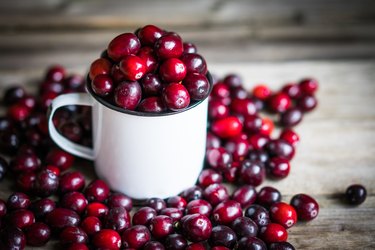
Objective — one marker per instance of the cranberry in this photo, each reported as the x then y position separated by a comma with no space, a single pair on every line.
280,148
55,73
208,177
268,196
54,170
9,142
355,194
258,141
116,74
307,103
135,237
308,86
18,200
74,82
12,238
174,213
176,96
72,131
42,207
46,183
107,239
196,246
118,219
149,58
73,234
175,241
231,174
133,67
120,200
306,207
46,99
196,227
227,127
281,246
217,110
238,147
100,66
151,85
177,202
161,226
199,207
3,208
172,70
25,162
226,212
91,225
195,63
216,193
156,203
97,190
123,45
245,195
192,193
18,112
212,141
273,232
251,243
128,95
96,209
149,34
244,226
152,104
60,218
13,94
243,106
71,181
21,218
261,92
218,158
143,216
258,156
283,214
25,182
279,102
233,80
153,245
169,46
60,159
220,90
51,86
267,126
37,234
78,246
291,117
278,167
197,85
252,172
290,136
292,90
258,214
102,85
75,201
223,236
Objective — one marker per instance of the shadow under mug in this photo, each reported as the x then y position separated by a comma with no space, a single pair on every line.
142,155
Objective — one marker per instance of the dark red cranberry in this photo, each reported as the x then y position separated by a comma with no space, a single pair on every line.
308,86
306,207
258,156
169,46
73,234
216,193
307,103
258,214
290,136
143,216
190,48
253,123
239,93
135,237
151,85
71,181
176,96
252,172
42,207
153,245
118,219
283,214
172,70
192,193
195,63
217,110
149,58
231,174
223,236
273,232
355,194
116,74
13,94
153,104
218,158
196,246
120,200
100,66
9,142
128,95
196,227
268,196
281,246
291,117
226,212
174,213
18,200
25,182
199,207
74,82
60,218
245,195
25,163
156,203
212,141
197,85
133,67
107,239
46,183
18,112
78,246
280,148
220,90
208,177
161,226
175,242
278,167
177,202
60,159
123,45
102,85
227,127
251,243
3,208
55,73
258,141
21,218
72,131
238,147
51,86
292,90
149,34
96,209
75,201
97,190
12,238
91,225
279,102
243,107
233,80
244,226
261,92
37,234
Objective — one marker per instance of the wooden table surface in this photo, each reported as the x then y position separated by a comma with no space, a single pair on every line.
265,43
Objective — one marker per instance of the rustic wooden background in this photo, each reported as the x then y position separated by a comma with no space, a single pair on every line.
265,41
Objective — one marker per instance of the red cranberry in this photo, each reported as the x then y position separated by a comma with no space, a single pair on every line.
227,127
25,181
91,225
13,94
12,238
143,216
220,90
172,70
223,236
233,80
281,246
46,183
177,202
238,147
216,193
199,207
42,207
279,102
78,246
75,201
253,123
217,110
226,212
169,46
195,63
149,34
151,85
355,194
54,170
118,219
197,85
258,156
135,237
231,174
175,242
161,226
306,207
308,86
243,107
18,200
283,214
212,141
96,209
174,213
120,200
3,208
307,103
252,172
73,234
156,203
192,193
273,232
60,159
196,246
268,196
9,142
72,131
291,117
149,58
208,177
116,74
245,195
123,45
261,92
290,136
97,190
51,86
278,167
267,126
196,227
153,245
176,96
258,141
74,82
244,226
37,234
218,158
107,239
258,214
100,66
102,85
55,73
153,104
24,163
292,90
280,148
21,218
71,181
239,93
133,67
128,95
251,243
18,112
190,48
60,218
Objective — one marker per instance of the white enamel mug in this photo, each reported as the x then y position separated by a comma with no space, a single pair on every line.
142,155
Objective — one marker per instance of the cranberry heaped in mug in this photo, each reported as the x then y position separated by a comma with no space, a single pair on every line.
152,70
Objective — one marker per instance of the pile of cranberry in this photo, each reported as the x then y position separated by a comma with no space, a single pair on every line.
151,70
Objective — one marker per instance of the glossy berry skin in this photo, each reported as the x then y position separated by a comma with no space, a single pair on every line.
218,158
208,177
174,213
280,148
243,106
217,109
42,207
55,73
261,91
252,172
127,95
307,103
21,218
123,45
96,209
245,195
156,203
133,67
18,200
161,226
244,226
238,147
251,243
75,201
215,194
176,96
292,90
18,112
175,242
118,219
268,196
151,85
71,181
258,141
189,48
291,117
153,245
3,208
197,85
281,246
273,232
226,212
71,235
195,63
60,159
267,126
199,206
306,207
120,200
172,70
107,239
153,104
258,214
279,102
102,85
37,234
100,66
60,218
278,167
290,136
308,86
223,236
97,190
149,34
283,214
355,194
135,237
78,246
143,216
176,202
91,225
227,127
12,238
46,183
149,58
13,94
221,91
25,163
169,46
196,227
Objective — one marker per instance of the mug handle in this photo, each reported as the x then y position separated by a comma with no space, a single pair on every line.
82,99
